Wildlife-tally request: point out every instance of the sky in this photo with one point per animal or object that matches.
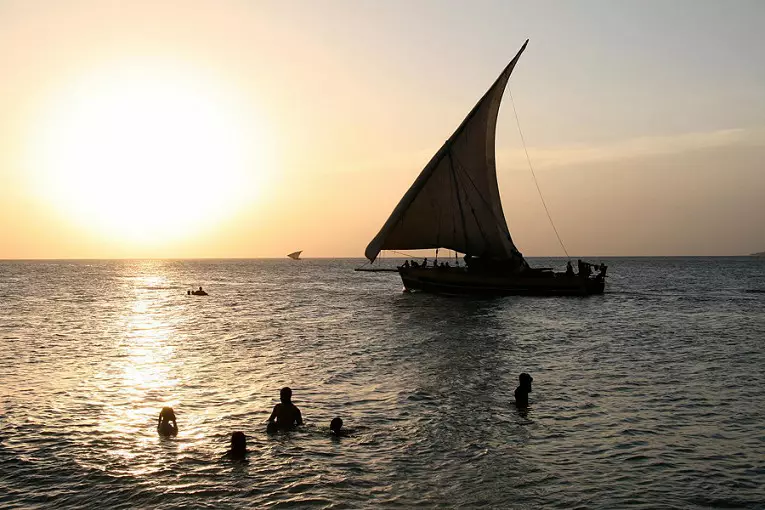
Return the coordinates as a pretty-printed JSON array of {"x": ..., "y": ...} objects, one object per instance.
[{"x": 184, "y": 129}]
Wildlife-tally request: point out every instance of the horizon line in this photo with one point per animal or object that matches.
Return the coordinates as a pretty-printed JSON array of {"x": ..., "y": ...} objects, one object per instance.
[{"x": 563, "y": 257}]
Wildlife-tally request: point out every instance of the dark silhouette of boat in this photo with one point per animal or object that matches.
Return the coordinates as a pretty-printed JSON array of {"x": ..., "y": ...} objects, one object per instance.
[
  {"x": 454, "y": 204},
  {"x": 295, "y": 255}
]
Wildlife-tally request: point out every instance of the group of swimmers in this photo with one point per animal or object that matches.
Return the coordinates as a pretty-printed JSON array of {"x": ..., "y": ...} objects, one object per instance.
[{"x": 285, "y": 416}]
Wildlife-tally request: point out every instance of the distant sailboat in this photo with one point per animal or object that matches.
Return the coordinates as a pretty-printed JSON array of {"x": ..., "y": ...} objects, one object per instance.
[
  {"x": 455, "y": 204},
  {"x": 295, "y": 255}
]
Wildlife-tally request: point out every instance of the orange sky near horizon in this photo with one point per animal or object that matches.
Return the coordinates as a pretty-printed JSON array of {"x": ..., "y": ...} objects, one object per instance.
[{"x": 252, "y": 129}]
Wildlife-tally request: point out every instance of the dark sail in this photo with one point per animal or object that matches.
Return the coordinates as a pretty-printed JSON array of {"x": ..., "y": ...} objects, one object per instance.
[{"x": 455, "y": 203}]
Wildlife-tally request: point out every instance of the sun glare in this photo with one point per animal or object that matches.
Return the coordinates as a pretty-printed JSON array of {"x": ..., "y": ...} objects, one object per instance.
[{"x": 148, "y": 153}]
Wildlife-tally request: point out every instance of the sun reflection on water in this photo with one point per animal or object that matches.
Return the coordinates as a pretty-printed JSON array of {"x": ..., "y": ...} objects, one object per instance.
[
  {"x": 147, "y": 350},
  {"x": 144, "y": 376}
]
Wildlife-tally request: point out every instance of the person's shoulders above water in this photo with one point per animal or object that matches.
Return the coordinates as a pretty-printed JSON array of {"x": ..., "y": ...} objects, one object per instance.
[
  {"x": 238, "y": 449},
  {"x": 298, "y": 414},
  {"x": 229, "y": 455},
  {"x": 167, "y": 424},
  {"x": 523, "y": 390}
]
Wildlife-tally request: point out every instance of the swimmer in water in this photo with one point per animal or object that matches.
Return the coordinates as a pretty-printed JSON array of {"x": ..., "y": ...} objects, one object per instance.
[
  {"x": 336, "y": 427},
  {"x": 286, "y": 415},
  {"x": 523, "y": 390},
  {"x": 166, "y": 424},
  {"x": 238, "y": 449}
]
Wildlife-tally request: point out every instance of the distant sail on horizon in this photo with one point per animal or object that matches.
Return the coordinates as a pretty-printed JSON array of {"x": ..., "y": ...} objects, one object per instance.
[{"x": 295, "y": 255}]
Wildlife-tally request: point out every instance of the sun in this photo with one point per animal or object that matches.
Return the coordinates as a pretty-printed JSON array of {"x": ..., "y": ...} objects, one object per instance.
[{"x": 148, "y": 153}]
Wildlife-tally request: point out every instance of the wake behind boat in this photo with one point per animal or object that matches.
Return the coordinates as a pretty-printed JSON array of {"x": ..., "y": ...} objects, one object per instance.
[{"x": 455, "y": 204}]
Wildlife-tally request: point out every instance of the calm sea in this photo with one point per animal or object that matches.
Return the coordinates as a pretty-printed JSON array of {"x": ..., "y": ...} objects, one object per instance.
[{"x": 650, "y": 396}]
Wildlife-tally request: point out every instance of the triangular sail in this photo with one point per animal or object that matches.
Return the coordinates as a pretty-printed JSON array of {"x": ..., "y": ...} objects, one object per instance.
[
  {"x": 295, "y": 255},
  {"x": 455, "y": 203}
]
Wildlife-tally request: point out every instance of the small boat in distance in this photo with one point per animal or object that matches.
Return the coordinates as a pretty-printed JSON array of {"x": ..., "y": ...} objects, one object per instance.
[
  {"x": 455, "y": 204},
  {"x": 295, "y": 255},
  {"x": 198, "y": 292}
]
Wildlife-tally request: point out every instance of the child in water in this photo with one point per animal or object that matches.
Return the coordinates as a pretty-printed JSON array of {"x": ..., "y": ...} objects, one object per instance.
[
  {"x": 286, "y": 415},
  {"x": 238, "y": 449},
  {"x": 336, "y": 428},
  {"x": 523, "y": 390},
  {"x": 166, "y": 424}
]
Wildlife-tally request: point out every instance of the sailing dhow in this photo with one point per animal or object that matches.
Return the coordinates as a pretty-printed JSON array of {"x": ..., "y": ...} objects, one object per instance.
[
  {"x": 454, "y": 204},
  {"x": 295, "y": 255}
]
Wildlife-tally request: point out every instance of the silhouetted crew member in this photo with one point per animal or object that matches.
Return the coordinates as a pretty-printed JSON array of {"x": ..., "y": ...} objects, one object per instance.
[
  {"x": 569, "y": 269},
  {"x": 584, "y": 268},
  {"x": 238, "y": 449},
  {"x": 523, "y": 390},
  {"x": 166, "y": 424},
  {"x": 285, "y": 415}
]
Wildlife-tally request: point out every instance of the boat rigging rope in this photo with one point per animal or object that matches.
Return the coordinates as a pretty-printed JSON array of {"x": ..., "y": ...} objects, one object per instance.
[
  {"x": 382, "y": 255},
  {"x": 407, "y": 255},
  {"x": 536, "y": 183}
]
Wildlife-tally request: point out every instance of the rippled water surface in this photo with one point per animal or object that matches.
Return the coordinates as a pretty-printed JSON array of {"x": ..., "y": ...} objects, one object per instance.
[{"x": 651, "y": 395}]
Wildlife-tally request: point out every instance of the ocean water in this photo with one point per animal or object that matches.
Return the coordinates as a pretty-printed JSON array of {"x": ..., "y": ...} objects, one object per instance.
[{"x": 650, "y": 396}]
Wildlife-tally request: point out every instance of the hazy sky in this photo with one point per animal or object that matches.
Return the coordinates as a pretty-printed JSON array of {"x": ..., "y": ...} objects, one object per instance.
[{"x": 253, "y": 129}]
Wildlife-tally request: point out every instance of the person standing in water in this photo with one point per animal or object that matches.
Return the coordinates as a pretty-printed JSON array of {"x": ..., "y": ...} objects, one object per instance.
[
  {"x": 238, "y": 449},
  {"x": 523, "y": 390},
  {"x": 285, "y": 415},
  {"x": 166, "y": 424}
]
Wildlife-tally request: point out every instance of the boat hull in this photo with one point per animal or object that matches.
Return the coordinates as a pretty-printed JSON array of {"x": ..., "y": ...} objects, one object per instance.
[{"x": 461, "y": 281}]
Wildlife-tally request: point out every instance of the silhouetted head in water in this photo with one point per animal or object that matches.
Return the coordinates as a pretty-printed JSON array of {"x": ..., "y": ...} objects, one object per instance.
[
  {"x": 335, "y": 425},
  {"x": 285, "y": 395},
  {"x": 523, "y": 390},
  {"x": 238, "y": 446},
  {"x": 166, "y": 423}
]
